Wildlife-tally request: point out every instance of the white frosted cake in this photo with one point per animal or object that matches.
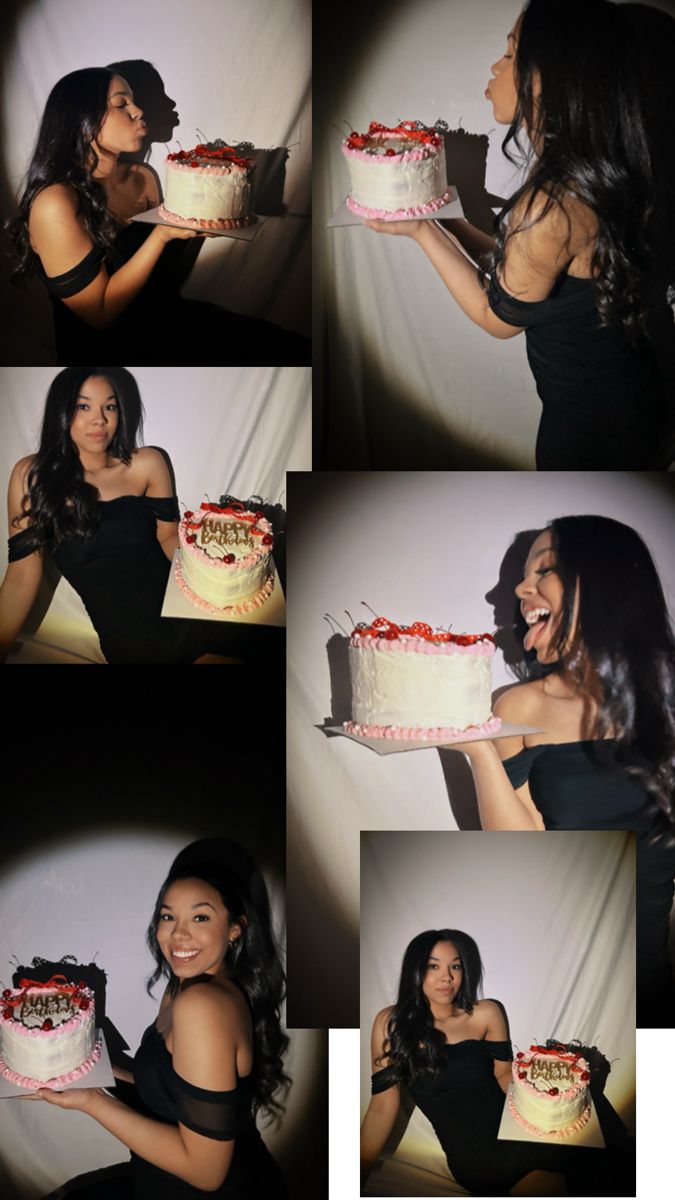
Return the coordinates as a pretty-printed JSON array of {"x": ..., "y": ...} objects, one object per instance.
[
  {"x": 208, "y": 187},
  {"x": 414, "y": 683},
  {"x": 396, "y": 172},
  {"x": 47, "y": 1033},
  {"x": 225, "y": 562},
  {"x": 549, "y": 1095}
]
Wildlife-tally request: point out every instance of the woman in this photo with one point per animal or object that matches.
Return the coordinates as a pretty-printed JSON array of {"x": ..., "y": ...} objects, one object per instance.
[
  {"x": 210, "y": 1061},
  {"x": 106, "y": 513},
  {"x": 453, "y": 1054},
  {"x": 114, "y": 282},
  {"x": 600, "y": 657},
  {"x": 583, "y": 252}
]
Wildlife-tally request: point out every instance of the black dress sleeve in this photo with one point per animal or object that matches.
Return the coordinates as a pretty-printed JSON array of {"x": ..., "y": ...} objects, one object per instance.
[
  {"x": 501, "y": 1050},
  {"x": 518, "y": 767},
  {"x": 381, "y": 1080},
  {"x": 512, "y": 311},
  {"x": 213, "y": 1114},
  {"x": 77, "y": 278},
  {"x": 21, "y": 545},
  {"x": 164, "y": 508}
]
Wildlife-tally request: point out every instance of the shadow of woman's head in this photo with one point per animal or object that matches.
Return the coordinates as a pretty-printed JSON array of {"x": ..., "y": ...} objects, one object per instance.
[
  {"x": 510, "y": 627},
  {"x": 159, "y": 110}
]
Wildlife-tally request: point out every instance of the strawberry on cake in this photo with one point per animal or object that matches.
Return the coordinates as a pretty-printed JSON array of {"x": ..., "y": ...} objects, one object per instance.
[{"x": 397, "y": 172}]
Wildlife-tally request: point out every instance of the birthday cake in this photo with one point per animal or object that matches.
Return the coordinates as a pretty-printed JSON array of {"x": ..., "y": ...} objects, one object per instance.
[
  {"x": 415, "y": 683},
  {"x": 397, "y": 172},
  {"x": 47, "y": 1033},
  {"x": 225, "y": 562},
  {"x": 549, "y": 1095},
  {"x": 209, "y": 187}
]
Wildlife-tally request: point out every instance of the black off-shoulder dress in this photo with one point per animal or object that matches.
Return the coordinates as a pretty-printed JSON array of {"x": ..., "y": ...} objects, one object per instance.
[
  {"x": 160, "y": 327},
  {"x": 602, "y": 399},
  {"x": 464, "y": 1104},
  {"x": 578, "y": 785},
  {"x": 121, "y": 573}
]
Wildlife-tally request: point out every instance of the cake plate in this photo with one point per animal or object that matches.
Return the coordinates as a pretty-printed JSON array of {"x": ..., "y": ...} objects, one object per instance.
[
  {"x": 344, "y": 215},
  {"x": 392, "y": 746},
  {"x": 246, "y": 234},
  {"x": 512, "y": 1131},
  {"x": 101, "y": 1075},
  {"x": 176, "y": 604}
]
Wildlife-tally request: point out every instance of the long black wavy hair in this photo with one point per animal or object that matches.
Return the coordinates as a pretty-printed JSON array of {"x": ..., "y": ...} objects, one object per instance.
[
  {"x": 621, "y": 654},
  {"x": 597, "y": 131},
  {"x": 412, "y": 1044},
  {"x": 59, "y": 503},
  {"x": 253, "y": 963},
  {"x": 74, "y": 113}
]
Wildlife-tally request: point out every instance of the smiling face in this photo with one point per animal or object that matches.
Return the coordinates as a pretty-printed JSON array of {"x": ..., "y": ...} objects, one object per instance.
[
  {"x": 194, "y": 929},
  {"x": 541, "y": 598},
  {"x": 123, "y": 127},
  {"x": 443, "y": 978},
  {"x": 96, "y": 415}
]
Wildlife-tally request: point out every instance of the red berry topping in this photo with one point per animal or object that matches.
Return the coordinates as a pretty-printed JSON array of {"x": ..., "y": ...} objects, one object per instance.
[
  {"x": 84, "y": 1004},
  {"x": 187, "y": 515},
  {"x": 267, "y": 539},
  {"x": 6, "y": 994},
  {"x": 520, "y": 1054},
  {"x": 228, "y": 558},
  {"x": 389, "y": 153},
  {"x": 47, "y": 1024},
  {"x": 8, "y": 1013},
  {"x": 553, "y": 1091},
  {"x": 190, "y": 538},
  {"x": 522, "y": 1074},
  {"x": 585, "y": 1075}
]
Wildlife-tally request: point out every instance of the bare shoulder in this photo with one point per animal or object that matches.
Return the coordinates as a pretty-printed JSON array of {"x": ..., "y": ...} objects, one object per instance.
[
  {"x": 491, "y": 1013},
  {"x": 519, "y": 704},
  {"x": 21, "y": 469},
  {"x": 56, "y": 201},
  {"x": 382, "y": 1019},
  {"x": 148, "y": 455},
  {"x": 151, "y": 464}
]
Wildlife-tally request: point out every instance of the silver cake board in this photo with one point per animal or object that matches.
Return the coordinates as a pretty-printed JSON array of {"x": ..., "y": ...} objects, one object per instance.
[
  {"x": 101, "y": 1075},
  {"x": 344, "y": 216},
  {"x": 512, "y": 1131},
  {"x": 393, "y": 746},
  {"x": 246, "y": 234},
  {"x": 177, "y": 604}
]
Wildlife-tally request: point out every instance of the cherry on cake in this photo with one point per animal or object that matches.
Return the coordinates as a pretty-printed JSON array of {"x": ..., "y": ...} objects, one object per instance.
[
  {"x": 416, "y": 683},
  {"x": 225, "y": 560},
  {"x": 549, "y": 1095},
  {"x": 209, "y": 187},
  {"x": 47, "y": 1033},
  {"x": 397, "y": 172}
]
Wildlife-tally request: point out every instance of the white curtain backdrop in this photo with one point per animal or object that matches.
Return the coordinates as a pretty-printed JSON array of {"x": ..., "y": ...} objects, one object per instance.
[
  {"x": 406, "y": 378},
  {"x": 415, "y": 546},
  {"x": 225, "y": 429},
  {"x": 93, "y": 895},
  {"x": 554, "y": 919},
  {"x": 237, "y": 71}
]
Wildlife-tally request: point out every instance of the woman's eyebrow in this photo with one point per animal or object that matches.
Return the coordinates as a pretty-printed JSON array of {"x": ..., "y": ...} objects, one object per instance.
[{"x": 199, "y": 904}]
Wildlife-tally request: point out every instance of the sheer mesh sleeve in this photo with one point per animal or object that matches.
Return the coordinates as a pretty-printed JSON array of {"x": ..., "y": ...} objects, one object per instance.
[
  {"x": 213, "y": 1114},
  {"x": 164, "y": 508},
  {"x": 21, "y": 545},
  {"x": 78, "y": 278},
  {"x": 518, "y": 768},
  {"x": 501, "y": 1050},
  {"x": 381, "y": 1080},
  {"x": 510, "y": 310}
]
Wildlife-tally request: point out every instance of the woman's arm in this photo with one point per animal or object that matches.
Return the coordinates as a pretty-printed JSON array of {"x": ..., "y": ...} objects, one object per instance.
[
  {"x": 61, "y": 242},
  {"x": 496, "y": 1031},
  {"x": 22, "y": 579},
  {"x": 159, "y": 484},
  {"x": 471, "y": 239},
  {"x": 383, "y": 1108},
  {"x": 204, "y": 1054}
]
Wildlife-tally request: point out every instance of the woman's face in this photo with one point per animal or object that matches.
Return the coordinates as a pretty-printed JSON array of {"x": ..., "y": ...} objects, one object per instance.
[
  {"x": 96, "y": 416},
  {"x": 501, "y": 89},
  {"x": 541, "y": 598},
  {"x": 194, "y": 929},
  {"x": 443, "y": 977},
  {"x": 122, "y": 128}
]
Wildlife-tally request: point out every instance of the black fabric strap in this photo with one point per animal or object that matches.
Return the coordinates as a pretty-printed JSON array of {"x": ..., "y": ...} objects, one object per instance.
[{"x": 78, "y": 278}]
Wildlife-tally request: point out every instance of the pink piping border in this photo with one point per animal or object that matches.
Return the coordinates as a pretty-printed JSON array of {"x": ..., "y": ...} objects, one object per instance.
[
  {"x": 415, "y": 734},
  {"x": 558, "y": 1133},
  {"x": 198, "y": 223},
  {"x": 256, "y": 601},
  {"x": 400, "y": 213},
  {"x": 410, "y": 644}
]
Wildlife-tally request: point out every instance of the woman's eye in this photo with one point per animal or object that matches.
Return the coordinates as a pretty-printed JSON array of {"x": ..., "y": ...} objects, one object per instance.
[
  {"x": 166, "y": 917},
  {"x": 201, "y": 917},
  {"x": 543, "y": 570}
]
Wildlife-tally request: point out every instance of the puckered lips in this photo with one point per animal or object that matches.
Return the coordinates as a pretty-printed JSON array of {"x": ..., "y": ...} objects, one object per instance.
[{"x": 536, "y": 619}]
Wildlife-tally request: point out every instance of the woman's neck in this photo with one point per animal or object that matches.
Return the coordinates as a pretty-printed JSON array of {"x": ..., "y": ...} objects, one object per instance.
[{"x": 107, "y": 166}]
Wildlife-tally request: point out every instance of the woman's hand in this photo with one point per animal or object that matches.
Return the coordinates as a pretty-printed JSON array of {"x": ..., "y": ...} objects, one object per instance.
[
  {"x": 167, "y": 233},
  {"x": 410, "y": 229},
  {"x": 82, "y": 1099}
]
